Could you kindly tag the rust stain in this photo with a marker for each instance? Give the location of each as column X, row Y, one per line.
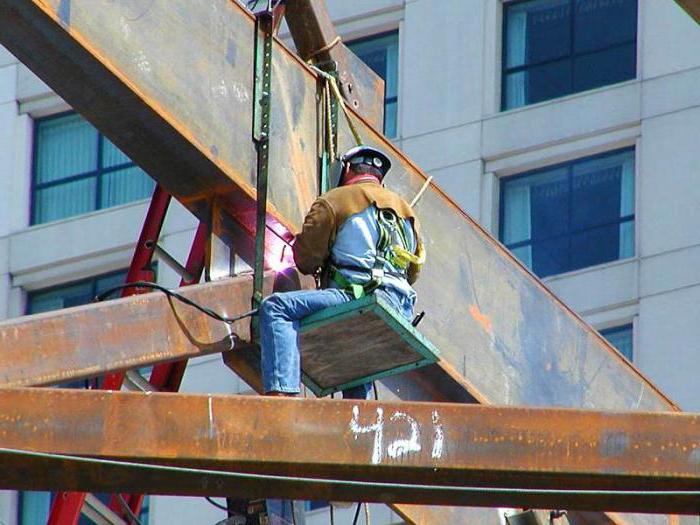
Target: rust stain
column 483, row 320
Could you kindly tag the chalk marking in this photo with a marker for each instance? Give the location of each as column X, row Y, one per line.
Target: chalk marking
column 126, row 30
column 211, row 418
column 439, row 439
column 142, row 62
column 401, row 447
column 220, row 90
column 377, row 428
column 240, row 92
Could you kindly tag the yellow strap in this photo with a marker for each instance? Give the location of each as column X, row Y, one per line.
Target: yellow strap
column 329, row 124
column 330, row 79
column 405, row 257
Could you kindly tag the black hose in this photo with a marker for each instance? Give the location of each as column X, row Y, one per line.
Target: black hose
column 175, row 295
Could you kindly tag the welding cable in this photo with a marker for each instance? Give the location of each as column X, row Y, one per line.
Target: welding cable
column 179, row 297
column 217, row 505
column 377, row 485
column 130, row 513
column 280, row 237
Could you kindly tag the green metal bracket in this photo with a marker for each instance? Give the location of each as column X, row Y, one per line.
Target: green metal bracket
column 261, row 136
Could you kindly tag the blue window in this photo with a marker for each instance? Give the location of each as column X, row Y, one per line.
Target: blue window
column 77, row 170
column 34, row 506
column 621, row 338
column 572, row 215
column 73, row 294
column 381, row 53
column 553, row 48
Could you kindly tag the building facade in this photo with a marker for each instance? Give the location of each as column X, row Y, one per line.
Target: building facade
column 567, row 128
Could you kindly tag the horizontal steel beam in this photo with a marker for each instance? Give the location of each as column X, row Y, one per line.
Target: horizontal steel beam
column 91, row 340
column 425, row 452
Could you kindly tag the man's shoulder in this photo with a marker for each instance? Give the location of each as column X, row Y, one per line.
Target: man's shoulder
column 368, row 191
column 346, row 201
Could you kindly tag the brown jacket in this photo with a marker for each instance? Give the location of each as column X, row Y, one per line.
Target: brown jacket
column 329, row 212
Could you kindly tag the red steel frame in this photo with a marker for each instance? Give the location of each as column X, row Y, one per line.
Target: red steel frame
column 67, row 506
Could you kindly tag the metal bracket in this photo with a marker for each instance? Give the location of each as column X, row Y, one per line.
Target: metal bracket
column 261, row 136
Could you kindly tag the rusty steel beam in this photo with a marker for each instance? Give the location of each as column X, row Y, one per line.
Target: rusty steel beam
column 316, row 40
column 495, row 449
column 133, row 332
column 87, row 341
column 692, row 7
column 149, row 329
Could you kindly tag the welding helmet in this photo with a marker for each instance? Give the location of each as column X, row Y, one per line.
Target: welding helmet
column 366, row 155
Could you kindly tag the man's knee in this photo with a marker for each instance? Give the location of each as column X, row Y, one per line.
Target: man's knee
column 272, row 306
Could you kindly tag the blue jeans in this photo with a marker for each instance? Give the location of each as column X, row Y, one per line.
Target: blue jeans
column 280, row 314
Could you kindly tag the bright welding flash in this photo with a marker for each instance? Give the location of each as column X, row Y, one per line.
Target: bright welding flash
column 284, row 263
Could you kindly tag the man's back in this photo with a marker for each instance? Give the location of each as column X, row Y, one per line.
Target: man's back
column 341, row 228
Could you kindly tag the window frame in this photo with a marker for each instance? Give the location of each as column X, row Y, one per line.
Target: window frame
column 568, row 165
column 570, row 57
column 92, row 280
column 392, row 99
column 97, row 173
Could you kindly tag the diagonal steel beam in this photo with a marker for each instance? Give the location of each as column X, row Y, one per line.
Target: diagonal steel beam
column 692, row 7
column 316, row 40
column 495, row 449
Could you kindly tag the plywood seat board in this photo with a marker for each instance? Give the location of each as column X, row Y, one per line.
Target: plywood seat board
column 359, row 342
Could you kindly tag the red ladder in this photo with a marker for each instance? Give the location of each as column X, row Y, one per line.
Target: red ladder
column 67, row 506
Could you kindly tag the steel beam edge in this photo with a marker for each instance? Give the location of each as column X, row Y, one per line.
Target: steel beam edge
column 506, row 453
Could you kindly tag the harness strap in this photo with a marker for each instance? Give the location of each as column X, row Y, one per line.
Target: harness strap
column 386, row 254
column 360, row 290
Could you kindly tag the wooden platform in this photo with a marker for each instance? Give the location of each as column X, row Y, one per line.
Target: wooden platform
column 358, row 342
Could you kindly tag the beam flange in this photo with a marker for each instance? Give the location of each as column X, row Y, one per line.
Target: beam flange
column 494, row 449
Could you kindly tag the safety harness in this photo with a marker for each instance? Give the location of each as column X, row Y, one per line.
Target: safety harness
column 392, row 249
